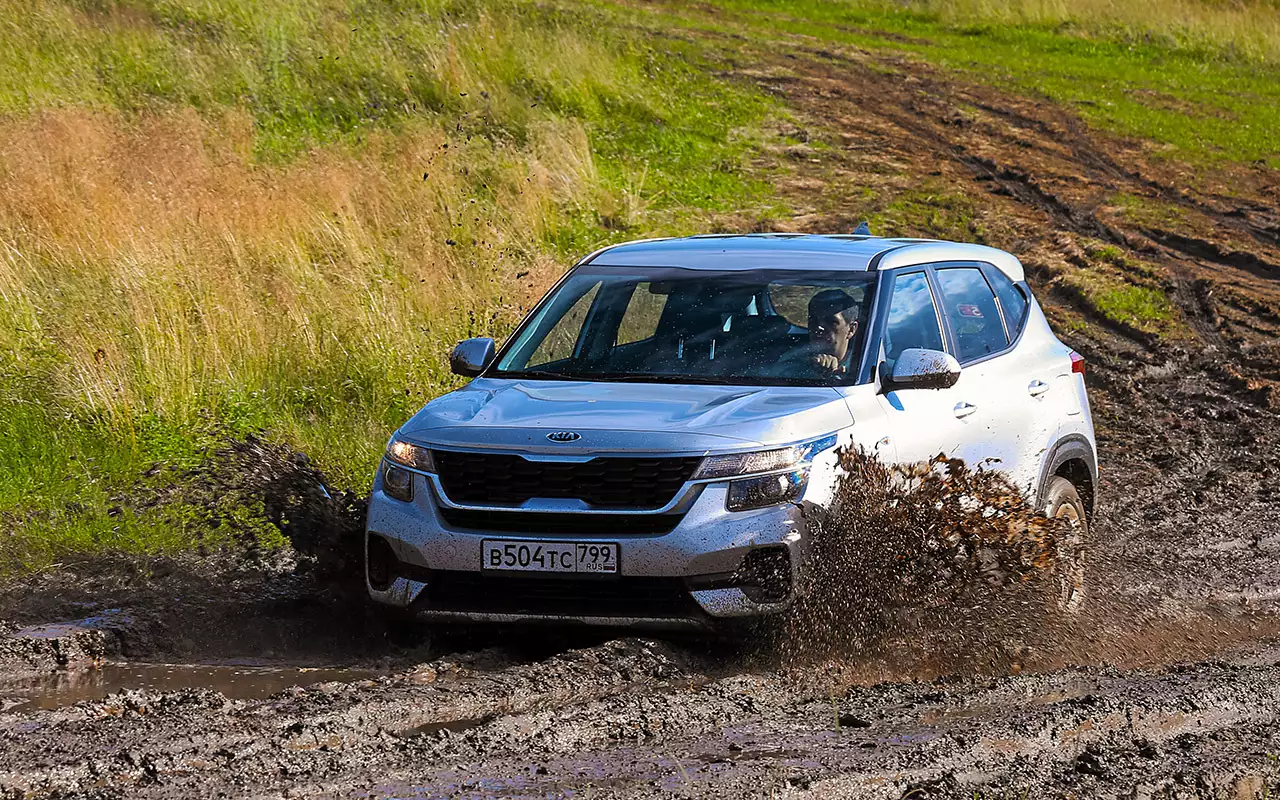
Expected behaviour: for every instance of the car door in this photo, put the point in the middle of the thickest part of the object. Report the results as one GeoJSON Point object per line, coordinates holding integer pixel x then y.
{"type": "Point", "coordinates": [1037, 381]}
{"type": "Point", "coordinates": [919, 423]}
{"type": "Point", "coordinates": [1001, 388]}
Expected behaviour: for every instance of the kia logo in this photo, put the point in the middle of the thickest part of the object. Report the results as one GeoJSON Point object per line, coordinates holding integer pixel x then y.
{"type": "Point", "coordinates": [564, 436]}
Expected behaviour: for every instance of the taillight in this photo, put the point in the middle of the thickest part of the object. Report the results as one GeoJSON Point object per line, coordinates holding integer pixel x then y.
{"type": "Point", "coordinates": [1077, 363]}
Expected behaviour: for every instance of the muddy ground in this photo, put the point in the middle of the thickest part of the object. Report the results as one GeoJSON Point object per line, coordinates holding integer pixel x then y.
{"type": "Point", "coordinates": [1168, 686]}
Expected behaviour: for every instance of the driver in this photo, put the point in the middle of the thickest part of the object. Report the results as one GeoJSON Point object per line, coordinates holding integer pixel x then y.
{"type": "Point", "coordinates": [833, 322]}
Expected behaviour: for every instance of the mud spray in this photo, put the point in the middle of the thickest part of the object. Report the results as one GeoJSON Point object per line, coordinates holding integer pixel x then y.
{"type": "Point", "coordinates": [927, 569]}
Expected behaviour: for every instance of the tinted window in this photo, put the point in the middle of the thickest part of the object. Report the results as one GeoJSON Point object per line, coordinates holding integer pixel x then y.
{"type": "Point", "coordinates": [1012, 302]}
{"type": "Point", "coordinates": [971, 310]}
{"type": "Point", "coordinates": [913, 318]}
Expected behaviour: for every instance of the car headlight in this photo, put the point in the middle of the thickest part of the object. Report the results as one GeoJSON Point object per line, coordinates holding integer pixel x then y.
{"type": "Point", "coordinates": [397, 483]}
{"type": "Point", "coordinates": [785, 473]}
{"type": "Point", "coordinates": [410, 455]}
{"type": "Point", "coordinates": [727, 466]}
{"type": "Point", "coordinates": [766, 490]}
{"type": "Point", "coordinates": [733, 464]}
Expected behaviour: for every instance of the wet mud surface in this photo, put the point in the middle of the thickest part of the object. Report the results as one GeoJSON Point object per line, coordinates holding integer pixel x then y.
{"type": "Point", "coordinates": [1167, 686]}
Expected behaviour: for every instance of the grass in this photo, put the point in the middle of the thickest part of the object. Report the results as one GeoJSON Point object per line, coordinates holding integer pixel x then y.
{"type": "Point", "coordinates": [1195, 78]}
{"type": "Point", "coordinates": [1120, 288]}
{"type": "Point", "coordinates": [1148, 212]}
{"type": "Point", "coordinates": [222, 218]}
{"type": "Point", "coordinates": [1139, 306]}
{"type": "Point", "coordinates": [1128, 297]}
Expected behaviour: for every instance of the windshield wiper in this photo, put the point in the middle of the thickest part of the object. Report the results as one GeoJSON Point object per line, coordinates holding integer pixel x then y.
{"type": "Point", "coordinates": [641, 377]}
{"type": "Point", "coordinates": [618, 377]}
{"type": "Point", "coordinates": [548, 374]}
{"type": "Point", "coordinates": [664, 378]}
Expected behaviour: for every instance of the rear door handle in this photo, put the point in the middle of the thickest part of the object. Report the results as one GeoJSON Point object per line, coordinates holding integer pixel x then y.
{"type": "Point", "coordinates": [1037, 388]}
{"type": "Point", "coordinates": [964, 409]}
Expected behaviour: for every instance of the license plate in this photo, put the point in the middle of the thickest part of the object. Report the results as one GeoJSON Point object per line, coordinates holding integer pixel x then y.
{"type": "Point", "coordinates": [590, 557]}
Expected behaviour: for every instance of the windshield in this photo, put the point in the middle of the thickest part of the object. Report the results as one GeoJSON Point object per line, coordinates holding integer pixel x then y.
{"type": "Point", "coordinates": [770, 327]}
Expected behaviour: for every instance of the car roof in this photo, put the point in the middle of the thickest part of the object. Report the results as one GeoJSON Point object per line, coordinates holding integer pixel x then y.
{"type": "Point", "coordinates": [797, 251]}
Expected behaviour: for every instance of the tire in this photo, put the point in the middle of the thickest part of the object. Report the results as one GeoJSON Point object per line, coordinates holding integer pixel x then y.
{"type": "Point", "coordinates": [398, 626]}
{"type": "Point", "coordinates": [1062, 501]}
{"type": "Point", "coordinates": [761, 635]}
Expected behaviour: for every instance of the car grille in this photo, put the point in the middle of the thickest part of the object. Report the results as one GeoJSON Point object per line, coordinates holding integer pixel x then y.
{"type": "Point", "coordinates": [501, 479]}
{"type": "Point", "coordinates": [559, 524]}
{"type": "Point", "coordinates": [611, 596]}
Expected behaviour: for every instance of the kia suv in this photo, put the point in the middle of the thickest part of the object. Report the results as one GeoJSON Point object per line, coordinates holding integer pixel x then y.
{"type": "Point", "coordinates": [645, 448]}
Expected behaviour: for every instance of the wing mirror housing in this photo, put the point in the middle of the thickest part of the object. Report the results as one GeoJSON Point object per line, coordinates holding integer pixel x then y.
{"type": "Point", "coordinates": [918, 368]}
{"type": "Point", "coordinates": [469, 357]}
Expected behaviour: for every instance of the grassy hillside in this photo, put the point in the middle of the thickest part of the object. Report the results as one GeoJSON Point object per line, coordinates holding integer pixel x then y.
{"type": "Point", "coordinates": [1194, 76]}
{"type": "Point", "coordinates": [218, 218]}
{"type": "Point", "coordinates": [224, 218]}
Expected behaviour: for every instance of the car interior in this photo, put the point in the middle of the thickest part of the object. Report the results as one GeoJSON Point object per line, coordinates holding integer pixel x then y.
{"type": "Point", "coordinates": [697, 329]}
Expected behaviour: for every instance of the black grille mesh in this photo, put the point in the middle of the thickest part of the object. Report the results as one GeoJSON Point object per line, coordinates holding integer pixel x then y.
{"type": "Point", "coordinates": [559, 524]}
{"type": "Point", "coordinates": [500, 479]}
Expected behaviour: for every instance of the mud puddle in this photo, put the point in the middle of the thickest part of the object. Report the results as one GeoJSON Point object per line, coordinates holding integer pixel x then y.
{"type": "Point", "coordinates": [235, 681]}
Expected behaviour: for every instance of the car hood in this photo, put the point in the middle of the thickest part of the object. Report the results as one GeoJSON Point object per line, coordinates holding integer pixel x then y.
{"type": "Point", "coordinates": [625, 417]}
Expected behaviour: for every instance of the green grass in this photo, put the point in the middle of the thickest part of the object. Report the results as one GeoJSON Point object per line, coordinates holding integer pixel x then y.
{"type": "Point", "coordinates": [1205, 94]}
{"type": "Point", "coordinates": [1114, 295]}
{"type": "Point", "coordinates": [218, 218]}
{"type": "Point", "coordinates": [1135, 305]}
{"type": "Point", "coordinates": [1149, 213]}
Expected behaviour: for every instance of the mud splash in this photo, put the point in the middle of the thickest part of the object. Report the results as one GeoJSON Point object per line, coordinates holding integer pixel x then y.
{"type": "Point", "coordinates": [246, 485]}
{"type": "Point", "coordinates": [936, 561]}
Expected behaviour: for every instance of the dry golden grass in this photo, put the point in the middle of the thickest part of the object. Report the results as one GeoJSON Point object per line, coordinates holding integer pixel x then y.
{"type": "Point", "coordinates": [1248, 27]}
{"type": "Point", "coordinates": [171, 272]}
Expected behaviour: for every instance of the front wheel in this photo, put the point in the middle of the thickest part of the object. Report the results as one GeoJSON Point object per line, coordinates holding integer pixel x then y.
{"type": "Point", "coordinates": [1062, 502]}
{"type": "Point", "coordinates": [397, 626]}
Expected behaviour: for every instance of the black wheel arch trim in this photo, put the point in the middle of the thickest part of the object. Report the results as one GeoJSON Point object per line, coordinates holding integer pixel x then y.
{"type": "Point", "coordinates": [1073, 447]}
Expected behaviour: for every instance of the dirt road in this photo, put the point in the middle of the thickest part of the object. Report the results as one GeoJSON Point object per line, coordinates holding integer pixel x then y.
{"type": "Point", "coordinates": [1185, 577]}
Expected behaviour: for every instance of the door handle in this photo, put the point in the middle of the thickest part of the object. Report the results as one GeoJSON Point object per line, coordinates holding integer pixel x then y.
{"type": "Point", "coordinates": [1037, 388]}
{"type": "Point", "coordinates": [964, 409]}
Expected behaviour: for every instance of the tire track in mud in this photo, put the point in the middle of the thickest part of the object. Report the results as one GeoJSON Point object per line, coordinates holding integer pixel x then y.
{"type": "Point", "coordinates": [1087, 730]}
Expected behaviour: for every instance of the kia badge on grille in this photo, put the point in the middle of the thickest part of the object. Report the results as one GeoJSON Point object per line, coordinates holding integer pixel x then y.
{"type": "Point", "coordinates": [564, 436]}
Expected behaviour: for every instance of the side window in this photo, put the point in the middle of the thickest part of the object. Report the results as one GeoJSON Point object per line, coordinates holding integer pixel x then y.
{"type": "Point", "coordinates": [913, 318]}
{"type": "Point", "coordinates": [562, 339]}
{"type": "Point", "coordinates": [640, 319]}
{"type": "Point", "coordinates": [971, 311]}
{"type": "Point", "coordinates": [1012, 302]}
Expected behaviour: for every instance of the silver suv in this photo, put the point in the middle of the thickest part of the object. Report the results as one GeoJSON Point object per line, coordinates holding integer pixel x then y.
{"type": "Point", "coordinates": [642, 450]}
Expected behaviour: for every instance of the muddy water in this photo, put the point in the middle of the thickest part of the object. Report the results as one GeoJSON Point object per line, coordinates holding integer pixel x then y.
{"type": "Point", "coordinates": [238, 682]}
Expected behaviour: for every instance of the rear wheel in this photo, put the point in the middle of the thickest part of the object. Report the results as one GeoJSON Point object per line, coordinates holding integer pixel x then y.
{"type": "Point", "coordinates": [1062, 502]}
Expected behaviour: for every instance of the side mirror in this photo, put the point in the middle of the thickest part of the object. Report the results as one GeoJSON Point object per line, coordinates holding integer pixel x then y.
{"type": "Point", "coordinates": [918, 368]}
{"type": "Point", "coordinates": [470, 356]}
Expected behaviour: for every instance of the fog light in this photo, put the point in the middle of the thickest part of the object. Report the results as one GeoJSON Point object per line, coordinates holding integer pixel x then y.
{"type": "Point", "coordinates": [766, 490]}
{"type": "Point", "coordinates": [398, 483]}
{"type": "Point", "coordinates": [380, 563]}
{"type": "Point", "coordinates": [765, 575]}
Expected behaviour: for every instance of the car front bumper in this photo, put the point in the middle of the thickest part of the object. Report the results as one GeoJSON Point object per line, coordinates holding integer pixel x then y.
{"type": "Point", "coordinates": [679, 579]}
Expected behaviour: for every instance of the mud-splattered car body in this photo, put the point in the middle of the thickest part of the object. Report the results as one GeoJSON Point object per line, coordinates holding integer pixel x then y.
{"type": "Point", "coordinates": [616, 464]}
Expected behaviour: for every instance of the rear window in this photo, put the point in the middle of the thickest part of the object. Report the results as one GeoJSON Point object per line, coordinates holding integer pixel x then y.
{"type": "Point", "coordinates": [1013, 303]}
{"type": "Point", "coordinates": [972, 313]}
